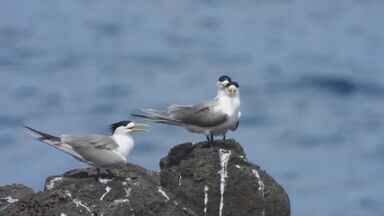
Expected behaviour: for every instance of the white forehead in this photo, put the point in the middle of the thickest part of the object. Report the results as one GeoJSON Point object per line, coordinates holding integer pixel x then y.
{"type": "Point", "coordinates": [232, 87]}
{"type": "Point", "coordinates": [130, 124]}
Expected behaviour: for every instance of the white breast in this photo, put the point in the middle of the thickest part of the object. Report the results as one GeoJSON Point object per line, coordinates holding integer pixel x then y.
{"type": "Point", "coordinates": [125, 143]}
{"type": "Point", "coordinates": [229, 106]}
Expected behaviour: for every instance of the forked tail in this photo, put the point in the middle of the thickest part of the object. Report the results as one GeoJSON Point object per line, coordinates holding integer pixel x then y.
{"type": "Point", "coordinates": [43, 137]}
{"type": "Point", "coordinates": [53, 141]}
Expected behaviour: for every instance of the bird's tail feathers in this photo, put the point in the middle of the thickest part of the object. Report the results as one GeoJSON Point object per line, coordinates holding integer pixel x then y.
{"type": "Point", "coordinates": [44, 137]}
{"type": "Point", "coordinates": [178, 108]}
{"type": "Point", "coordinates": [53, 141]}
{"type": "Point", "coordinates": [157, 116]}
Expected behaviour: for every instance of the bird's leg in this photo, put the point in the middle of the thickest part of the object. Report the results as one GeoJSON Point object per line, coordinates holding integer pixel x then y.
{"type": "Point", "coordinates": [117, 173]}
{"type": "Point", "coordinates": [224, 137]}
{"type": "Point", "coordinates": [109, 172]}
{"type": "Point", "coordinates": [97, 171]}
{"type": "Point", "coordinates": [211, 140]}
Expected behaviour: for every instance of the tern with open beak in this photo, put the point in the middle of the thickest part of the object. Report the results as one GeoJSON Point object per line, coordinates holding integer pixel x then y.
{"type": "Point", "coordinates": [107, 152]}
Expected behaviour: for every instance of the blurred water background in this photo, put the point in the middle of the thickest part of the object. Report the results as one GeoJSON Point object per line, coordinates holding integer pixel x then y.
{"type": "Point", "coordinates": [312, 86]}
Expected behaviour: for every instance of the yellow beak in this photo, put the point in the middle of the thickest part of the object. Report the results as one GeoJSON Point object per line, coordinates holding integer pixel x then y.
{"type": "Point", "coordinates": [137, 125]}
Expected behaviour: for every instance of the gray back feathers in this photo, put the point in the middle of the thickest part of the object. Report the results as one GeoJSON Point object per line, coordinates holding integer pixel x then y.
{"type": "Point", "coordinates": [201, 114]}
{"type": "Point", "coordinates": [94, 141]}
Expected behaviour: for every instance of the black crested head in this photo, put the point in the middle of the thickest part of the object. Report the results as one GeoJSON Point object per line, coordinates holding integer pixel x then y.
{"type": "Point", "coordinates": [114, 126]}
{"type": "Point", "coordinates": [225, 77]}
{"type": "Point", "coordinates": [232, 83]}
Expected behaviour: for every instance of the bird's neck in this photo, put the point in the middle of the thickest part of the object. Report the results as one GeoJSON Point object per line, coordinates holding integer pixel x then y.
{"type": "Point", "coordinates": [233, 100]}
{"type": "Point", "coordinates": [220, 92]}
{"type": "Point", "coordinates": [125, 143]}
{"type": "Point", "coordinates": [230, 104]}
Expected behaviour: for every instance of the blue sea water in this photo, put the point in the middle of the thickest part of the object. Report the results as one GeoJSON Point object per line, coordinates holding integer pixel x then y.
{"type": "Point", "coordinates": [311, 76]}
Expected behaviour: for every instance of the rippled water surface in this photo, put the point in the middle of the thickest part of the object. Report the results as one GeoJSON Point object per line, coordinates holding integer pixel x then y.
{"type": "Point", "coordinates": [311, 76]}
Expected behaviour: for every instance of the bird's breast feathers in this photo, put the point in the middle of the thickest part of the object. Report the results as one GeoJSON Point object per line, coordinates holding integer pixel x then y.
{"type": "Point", "coordinates": [228, 106]}
{"type": "Point", "coordinates": [125, 144]}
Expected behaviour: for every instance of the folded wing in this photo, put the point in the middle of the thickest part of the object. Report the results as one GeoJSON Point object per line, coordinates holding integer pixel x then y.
{"type": "Point", "coordinates": [93, 141]}
{"type": "Point", "coordinates": [202, 114]}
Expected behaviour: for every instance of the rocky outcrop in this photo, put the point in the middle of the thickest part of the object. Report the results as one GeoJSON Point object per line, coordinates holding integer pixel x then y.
{"type": "Point", "coordinates": [194, 180]}
{"type": "Point", "coordinates": [220, 181]}
{"type": "Point", "coordinates": [10, 194]}
{"type": "Point", "coordinates": [81, 192]}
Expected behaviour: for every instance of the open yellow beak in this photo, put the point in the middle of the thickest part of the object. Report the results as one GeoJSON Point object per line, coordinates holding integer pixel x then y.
{"type": "Point", "coordinates": [137, 126]}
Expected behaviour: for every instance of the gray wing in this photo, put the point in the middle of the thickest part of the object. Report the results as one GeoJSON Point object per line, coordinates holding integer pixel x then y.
{"type": "Point", "coordinates": [95, 141]}
{"type": "Point", "coordinates": [201, 114]}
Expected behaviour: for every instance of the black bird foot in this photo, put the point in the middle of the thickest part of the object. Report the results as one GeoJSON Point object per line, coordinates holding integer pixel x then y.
{"type": "Point", "coordinates": [114, 175]}
{"type": "Point", "coordinates": [98, 174]}
{"type": "Point", "coordinates": [210, 140]}
{"type": "Point", "coordinates": [110, 172]}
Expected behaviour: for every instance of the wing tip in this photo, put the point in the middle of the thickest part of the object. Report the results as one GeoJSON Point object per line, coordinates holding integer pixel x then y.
{"type": "Point", "coordinates": [29, 129]}
{"type": "Point", "coordinates": [32, 132]}
{"type": "Point", "coordinates": [26, 127]}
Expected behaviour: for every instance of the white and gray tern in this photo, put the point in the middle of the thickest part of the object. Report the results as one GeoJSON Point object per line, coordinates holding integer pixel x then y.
{"type": "Point", "coordinates": [213, 117]}
{"type": "Point", "coordinates": [105, 152]}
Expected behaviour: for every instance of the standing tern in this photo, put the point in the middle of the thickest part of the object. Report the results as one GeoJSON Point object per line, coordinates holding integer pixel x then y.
{"type": "Point", "coordinates": [221, 83]}
{"type": "Point", "coordinates": [212, 118]}
{"type": "Point", "coordinates": [105, 152]}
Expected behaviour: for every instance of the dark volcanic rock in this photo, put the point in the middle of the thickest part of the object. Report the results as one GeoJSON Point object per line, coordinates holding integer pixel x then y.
{"type": "Point", "coordinates": [220, 181]}
{"type": "Point", "coordinates": [10, 194]}
{"type": "Point", "coordinates": [194, 180]}
{"type": "Point", "coordinates": [79, 192]}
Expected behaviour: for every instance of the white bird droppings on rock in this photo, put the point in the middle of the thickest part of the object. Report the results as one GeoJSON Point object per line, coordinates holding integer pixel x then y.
{"type": "Point", "coordinates": [224, 158]}
{"type": "Point", "coordinates": [120, 201]}
{"type": "Point", "coordinates": [9, 199]}
{"type": "Point", "coordinates": [206, 189]}
{"type": "Point", "coordinates": [261, 184]}
{"type": "Point", "coordinates": [180, 179]}
{"type": "Point", "coordinates": [241, 156]}
{"type": "Point", "coordinates": [107, 190]}
{"type": "Point", "coordinates": [79, 203]}
{"type": "Point", "coordinates": [51, 183]}
{"type": "Point", "coordinates": [163, 193]}
{"type": "Point", "coordinates": [68, 194]}
{"type": "Point", "coordinates": [104, 181]}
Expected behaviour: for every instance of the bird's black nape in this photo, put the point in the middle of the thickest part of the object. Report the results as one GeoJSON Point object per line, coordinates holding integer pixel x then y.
{"type": "Point", "coordinates": [114, 126]}
{"type": "Point", "coordinates": [232, 83]}
{"type": "Point", "coordinates": [225, 77]}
